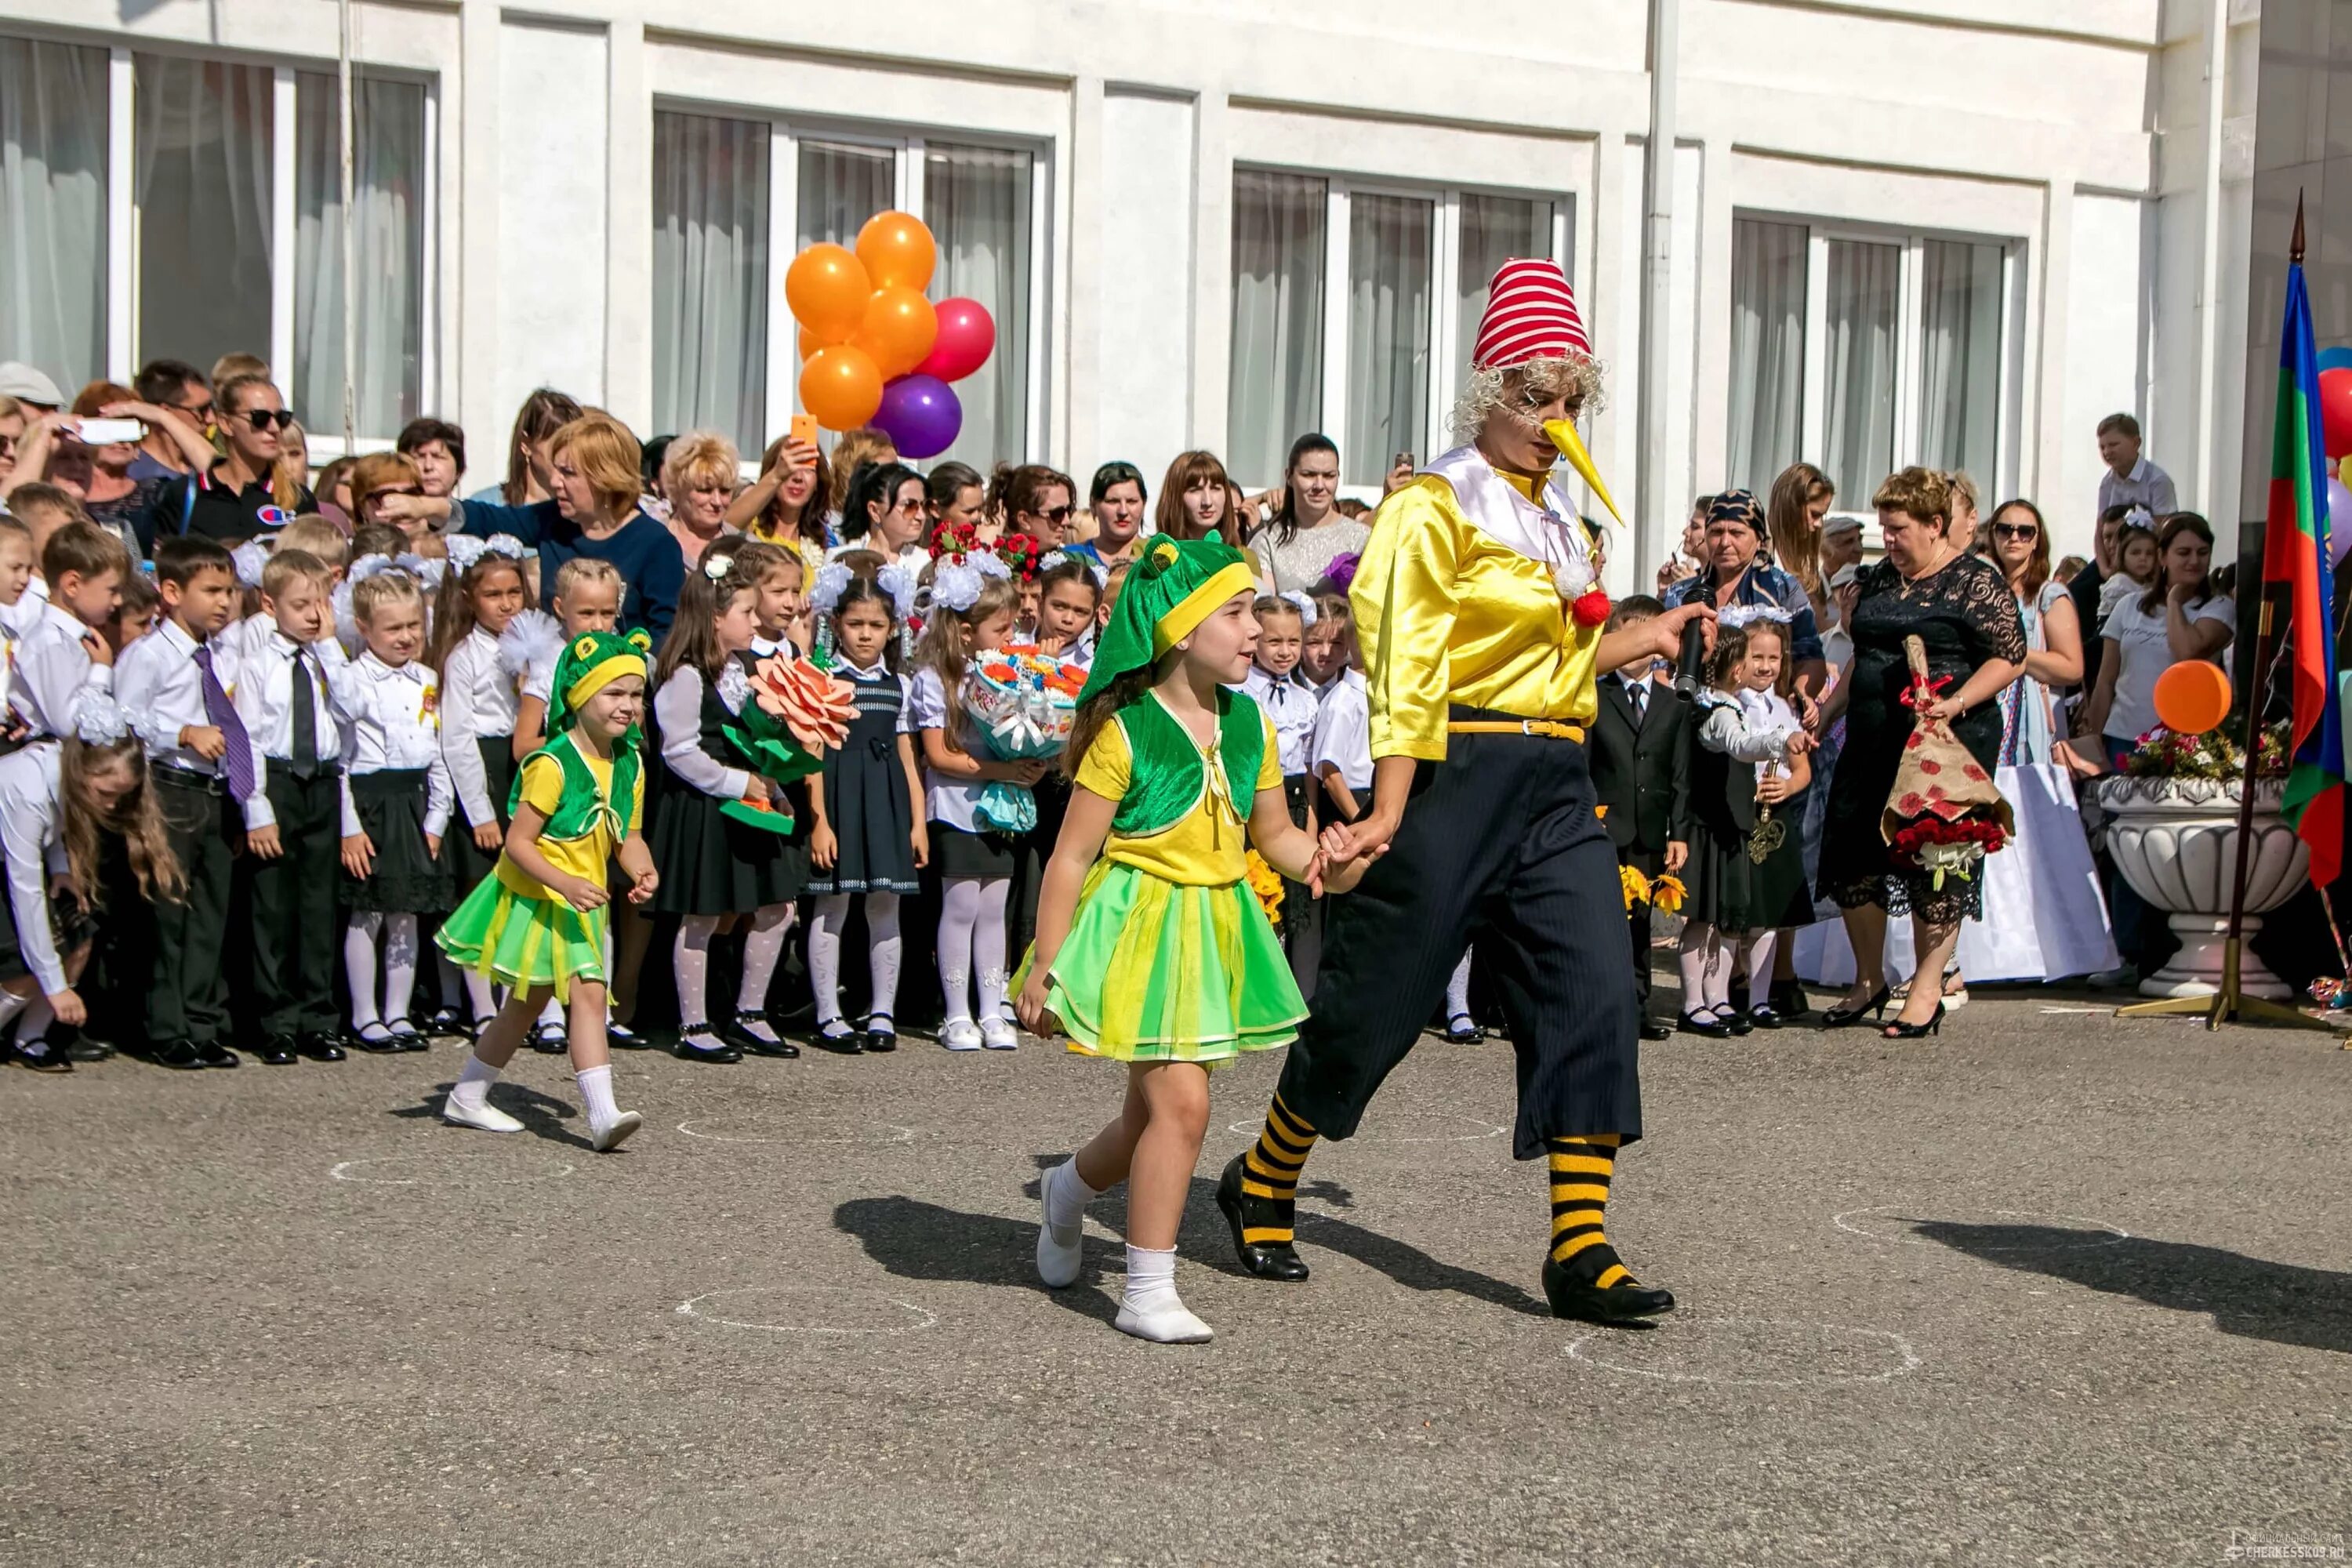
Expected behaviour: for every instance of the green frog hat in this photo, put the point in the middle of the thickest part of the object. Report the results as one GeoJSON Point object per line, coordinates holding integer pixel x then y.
{"type": "Point", "coordinates": [591, 662]}
{"type": "Point", "coordinates": [1173, 587]}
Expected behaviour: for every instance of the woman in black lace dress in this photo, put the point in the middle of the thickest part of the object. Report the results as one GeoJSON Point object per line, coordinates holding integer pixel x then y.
{"type": "Point", "coordinates": [1960, 608]}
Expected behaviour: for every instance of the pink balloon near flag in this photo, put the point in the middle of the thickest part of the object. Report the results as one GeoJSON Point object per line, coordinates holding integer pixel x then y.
{"type": "Point", "coordinates": [968, 336]}
{"type": "Point", "coordinates": [2335, 411]}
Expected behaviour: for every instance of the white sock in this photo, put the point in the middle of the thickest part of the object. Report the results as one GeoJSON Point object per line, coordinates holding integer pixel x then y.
{"type": "Point", "coordinates": [1698, 939]}
{"type": "Point", "coordinates": [1458, 990]}
{"type": "Point", "coordinates": [474, 1081]}
{"type": "Point", "coordinates": [399, 964]}
{"type": "Point", "coordinates": [596, 1089]}
{"type": "Point", "coordinates": [959, 912]}
{"type": "Point", "coordinates": [11, 1004]}
{"type": "Point", "coordinates": [761, 950]}
{"type": "Point", "coordinates": [38, 1016]}
{"type": "Point", "coordinates": [1759, 967]}
{"type": "Point", "coordinates": [988, 944]}
{"type": "Point", "coordinates": [478, 996]}
{"type": "Point", "coordinates": [552, 1014]}
{"type": "Point", "coordinates": [359, 965]}
{"type": "Point", "coordinates": [692, 953]}
{"type": "Point", "coordinates": [1066, 1197]}
{"type": "Point", "coordinates": [1150, 1281]}
{"type": "Point", "coordinates": [1722, 951]}
{"type": "Point", "coordinates": [824, 954]}
{"type": "Point", "coordinates": [882, 951]}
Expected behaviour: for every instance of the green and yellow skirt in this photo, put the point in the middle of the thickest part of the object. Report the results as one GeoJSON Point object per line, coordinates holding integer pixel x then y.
{"type": "Point", "coordinates": [1155, 971]}
{"type": "Point", "coordinates": [518, 940]}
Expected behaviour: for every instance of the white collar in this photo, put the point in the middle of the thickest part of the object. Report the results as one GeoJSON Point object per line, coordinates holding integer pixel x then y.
{"type": "Point", "coordinates": [375, 668]}
{"type": "Point", "coordinates": [172, 633]}
{"type": "Point", "coordinates": [874, 671]}
{"type": "Point", "coordinates": [2139, 474]}
{"type": "Point", "coordinates": [1550, 533]}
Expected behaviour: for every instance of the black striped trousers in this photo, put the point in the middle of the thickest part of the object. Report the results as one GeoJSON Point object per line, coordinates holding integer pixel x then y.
{"type": "Point", "coordinates": [1499, 847]}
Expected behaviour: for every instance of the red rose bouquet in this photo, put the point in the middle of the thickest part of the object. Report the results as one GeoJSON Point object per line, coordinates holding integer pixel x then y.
{"type": "Point", "coordinates": [1944, 814]}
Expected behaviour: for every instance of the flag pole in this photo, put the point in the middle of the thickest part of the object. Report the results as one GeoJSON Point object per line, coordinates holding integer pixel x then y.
{"type": "Point", "coordinates": [2231, 1003]}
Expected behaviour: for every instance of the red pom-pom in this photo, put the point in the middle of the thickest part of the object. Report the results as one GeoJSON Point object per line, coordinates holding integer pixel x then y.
{"type": "Point", "coordinates": [1591, 609]}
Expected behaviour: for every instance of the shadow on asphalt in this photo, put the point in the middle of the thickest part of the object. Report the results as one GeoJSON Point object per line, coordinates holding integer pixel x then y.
{"type": "Point", "coordinates": [2283, 1303]}
{"type": "Point", "coordinates": [543, 1116]}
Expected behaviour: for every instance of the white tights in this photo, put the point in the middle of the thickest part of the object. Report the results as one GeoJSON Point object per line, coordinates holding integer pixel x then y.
{"type": "Point", "coordinates": [398, 933]}
{"type": "Point", "coordinates": [972, 939]}
{"type": "Point", "coordinates": [884, 946]}
{"type": "Point", "coordinates": [764, 946]}
{"type": "Point", "coordinates": [1707, 958]}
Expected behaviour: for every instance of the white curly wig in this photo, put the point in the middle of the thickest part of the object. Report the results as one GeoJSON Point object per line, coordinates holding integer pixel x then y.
{"type": "Point", "coordinates": [1484, 391]}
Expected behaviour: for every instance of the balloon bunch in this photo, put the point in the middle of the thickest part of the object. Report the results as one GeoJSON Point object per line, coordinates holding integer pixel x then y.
{"type": "Point", "coordinates": [873, 349]}
{"type": "Point", "coordinates": [2335, 432]}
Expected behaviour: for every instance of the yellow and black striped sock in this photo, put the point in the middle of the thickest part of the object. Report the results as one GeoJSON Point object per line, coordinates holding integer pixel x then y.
{"type": "Point", "coordinates": [1581, 1169]}
{"type": "Point", "coordinates": [1270, 1170]}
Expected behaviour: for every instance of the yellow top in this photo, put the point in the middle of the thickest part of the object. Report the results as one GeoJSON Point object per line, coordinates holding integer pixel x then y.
{"type": "Point", "coordinates": [1447, 615]}
{"type": "Point", "coordinates": [1209, 845]}
{"type": "Point", "coordinates": [542, 787]}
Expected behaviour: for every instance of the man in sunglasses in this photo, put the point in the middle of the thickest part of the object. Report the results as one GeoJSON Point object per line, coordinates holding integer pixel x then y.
{"type": "Point", "coordinates": [179, 390]}
{"type": "Point", "coordinates": [238, 498]}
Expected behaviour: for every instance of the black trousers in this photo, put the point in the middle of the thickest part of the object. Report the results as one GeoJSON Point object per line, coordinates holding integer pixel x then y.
{"type": "Point", "coordinates": [187, 994]}
{"type": "Point", "coordinates": [1500, 847]}
{"type": "Point", "coordinates": [293, 896]}
{"type": "Point", "coordinates": [1650, 863]}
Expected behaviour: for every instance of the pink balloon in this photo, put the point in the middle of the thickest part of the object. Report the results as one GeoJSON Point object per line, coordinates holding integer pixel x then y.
{"type": "Point", "coordinates": [2335, 411]}
{"type": "Point", "coordinates": [2340, 520]}
{"type": "Point", "coordinates": [967, 337]}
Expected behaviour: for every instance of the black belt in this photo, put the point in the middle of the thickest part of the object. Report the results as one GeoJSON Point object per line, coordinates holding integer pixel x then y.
{"type": "Point", "coordinates": [189, 778]}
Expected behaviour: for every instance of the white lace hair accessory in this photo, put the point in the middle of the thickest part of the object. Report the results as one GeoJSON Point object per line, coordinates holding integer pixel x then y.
{"type": "Point", "coordinates": [900, 585]}
{"type": "Point", "coordinates": [956, 584]}
{"type": "Point", "coordinates": [1051, 559]}
{"type": "Point", "coordinates": [1304, 605]}
{"type": "Point", "coordinates": [99, 720]}
{"type": "Point", "coordinates": [988, 563]}
{"type": "Point", "coordinates": [249, 558]}
{"type": "Point", "coordinates": [832, 581]}
{"type": "Point", "coordinates": [368, 566]}
{"type": "Point", "coordinates": [1742, 614]}
{"type": "Point", "coordinates": [716, 567]}
{"type": "Point", "coordinates": [505, 544]}
{"type": "Point", "coordinates": [424, 568]}
{"type": "Point", "coordinates": [465, 550]}
{"type": "Point", "coordinates": [2139, 517]}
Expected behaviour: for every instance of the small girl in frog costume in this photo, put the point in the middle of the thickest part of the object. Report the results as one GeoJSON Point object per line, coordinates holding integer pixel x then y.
{"type": "Point", "coordinates": [537, 924]}
{"type": "Point", "coordinates": [1152, 949]}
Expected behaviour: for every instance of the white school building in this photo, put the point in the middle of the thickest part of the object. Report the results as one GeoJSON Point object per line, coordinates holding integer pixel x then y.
{"type": "Point", "coordinates": [1950, 231]}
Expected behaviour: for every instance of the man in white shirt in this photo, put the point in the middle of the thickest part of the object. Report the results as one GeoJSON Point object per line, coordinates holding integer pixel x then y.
{"type": "Point", "coordinates": [2131, 479]}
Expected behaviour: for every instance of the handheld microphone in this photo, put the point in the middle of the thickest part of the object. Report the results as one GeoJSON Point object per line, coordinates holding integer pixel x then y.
{"type": "Point", "coordinates": [1690, 663]}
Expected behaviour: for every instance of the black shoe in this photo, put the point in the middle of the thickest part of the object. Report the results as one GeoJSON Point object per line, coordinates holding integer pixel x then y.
{"type": "Point", "coordinates": [1573, 1296]}
{"type": "Point", "coordinates": [1463, 1030]}
{"type": "Point", "coordinates": [450, 1024]}
{"type": "Point", "coordinates": [1266, 1259]}
{"type": "Point", "coordinates": [1899, 1030]}
{"type": "Point", "coordinates": [1790, 1001]}
{"type": "Point", "coordinates": [1653, 1031]}
{"type": "Point", "coordinates": [39, 1056]}
{"type": "Point", "coordinates": [734, 1033]}
{"type": "Point", "coordinates": [179, 1056]}
{"type": "Point", "coordinates": [1839, 1018]}
{"type": "Point", "coordinates": [383, 1043]}
{"type": "Point", "coordinates": [837, 1036]}
{"type": "Point", "coordinates": [320, 1047]}
{"type": "Point", "coordinates": [1765, 1018]}
{"type": "Point", "coordinates": [554, 1039]}
{"type": "Point", "coordinates": [622, 1037]}
{"type": "Point", "coordinates": [408, 1038]}
{"type": "Point", "coordinates": [1713, 1028]}
{"type": "Point", "coordinates": [217, 1054]}
{"type": "Point", "coordinates": [718, 1054]}
{"type": "Point", "coordinates": [1735, 1019]}
{"type": "Point", "coordinates": [881, 1033]}
{"type": "Point", "coordinates": [276, 1051]}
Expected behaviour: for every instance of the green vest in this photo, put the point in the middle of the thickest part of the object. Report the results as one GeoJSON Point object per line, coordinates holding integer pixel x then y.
{"type": "Point", "coordinates": [581, 806]}
{"type": "Point", "coordinates": [1164, 780]}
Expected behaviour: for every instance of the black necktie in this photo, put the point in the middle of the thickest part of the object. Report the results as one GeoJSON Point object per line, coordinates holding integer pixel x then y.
{"type": "Point", "coordinates": [1637, 692]}
{"type": "Point", "coordinates": [305, 748]}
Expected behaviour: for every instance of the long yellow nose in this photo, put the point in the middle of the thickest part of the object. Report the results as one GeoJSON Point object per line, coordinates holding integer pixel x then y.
{"type": "Point", "coordinates": [1571, 446]}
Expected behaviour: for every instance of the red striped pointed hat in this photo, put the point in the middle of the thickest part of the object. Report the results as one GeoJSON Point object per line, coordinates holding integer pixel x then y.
{"type": "Point", "coordinates": [1531, 314]}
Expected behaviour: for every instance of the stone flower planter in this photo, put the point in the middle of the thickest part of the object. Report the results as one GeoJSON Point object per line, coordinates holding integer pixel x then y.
{"type": "Point", "coordinates": [2176, 842]}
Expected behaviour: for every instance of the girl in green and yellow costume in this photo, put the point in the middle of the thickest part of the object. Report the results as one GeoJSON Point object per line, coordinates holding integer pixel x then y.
{"type": "Point", "coordinates": [537, 925]}
{"type": "Point", "coordinates": [1151, 950]}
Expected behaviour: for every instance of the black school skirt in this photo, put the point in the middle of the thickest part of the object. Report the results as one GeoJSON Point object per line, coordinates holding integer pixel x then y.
{"type": "Point", "coordinates": [407, 879]}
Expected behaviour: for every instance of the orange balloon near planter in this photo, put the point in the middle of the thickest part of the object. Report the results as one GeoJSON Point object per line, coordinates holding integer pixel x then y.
{"type": "Point", "coordinates": [827, 290]}
{"type": "Point", "coordinates": [841, 387]}
{"type": "Point", "coordinates": [2192, 697]}
{"type": "Point", "coordinates": [898, 330]}
{"type": "Point", "coordinates": [897, 250]}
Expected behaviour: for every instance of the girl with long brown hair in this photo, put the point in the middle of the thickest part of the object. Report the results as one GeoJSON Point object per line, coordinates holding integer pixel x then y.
{"type": "Point", "coordinates": [1800, 499]}
{"type": "Point", "coordinates": [1196, 500]}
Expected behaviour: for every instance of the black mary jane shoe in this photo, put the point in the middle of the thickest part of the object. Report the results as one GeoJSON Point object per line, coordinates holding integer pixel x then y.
{"type": "Point", "coordinates": [1843, 1017]}
{"type": "Point", "coordinates": [318, 1047]}
{"type": "Point", "coordinates": [1899, 1030]}
{"type": "Point", "coordinates": [837, 1035]}
{"type": "Point", "coordinates": [554, 1039]}
{"type": "Point", "coordinates": [1264, 1259]}
{"type": "Point", "coordinates": [1713, 1028]}
{"type": "Point", "coordinates": [382, 1045]}
{"type": "Point", "coordinates": [1573, 1296]}
{"type": "Point", "coordinates": [737, 1032]}
{"type": "Point", "coordinates": [1463, 1030]}
{"type": "Point", "coordinates": [179, 1056]}
{"type": "Point", "coordinates": [450, 1024]}
{"type": "Point", "coordinates": [1735, 1019]}
{"type": "Point", "coordinates": [40, 1056]}
{"type": "Point", "coordinates": [718, 1054]}
{"type": "Point", "coordinates": [622, 1037]}
{"type": "Point", "coordinates": [1767, 1017]}
{"type": "Point", "coordinates": [409, 1038]}
{"type": "Point", "coordinates": [1651, 1029]}
{"type": "Point", "coordinates": [881, 1033]}
{"type": "Point", "coordinates": [276, 1051]}
{"type": "Point", "coordinates": [1790, 1001]}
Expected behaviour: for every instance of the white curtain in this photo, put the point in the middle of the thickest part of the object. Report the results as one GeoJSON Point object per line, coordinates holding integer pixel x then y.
{"type": "Point", "coordinates": [976, 203]}
{"type": "Point", "coordinates": [1959, 358]}
{"type": "Point", "coordinates": [53, 208]}
{"type": "Point", "coordinates": [840, 187]}
{"type": "Point", "coordinates": [1859, 406]}
{"type": "Point", "coordinates": [201, 178]}
{"type": "Point", "coordinates": [1768, 353]}
{"type": "Point", "coordinates": [388, 234]}
{"type": "Point", "coordinates": [711, 276]}
{"type": "Point", "coordinates": [1388, 278]}
{"type": "Point", "coordinates": [1274, 388]}
{"type": "Point", "coordinates": [1494, 229]}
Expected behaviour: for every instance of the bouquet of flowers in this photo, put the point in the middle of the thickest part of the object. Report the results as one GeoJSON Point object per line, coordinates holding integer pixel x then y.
{"type": "Point", "coordinates": [788, 714]}
{"type": "Point", "coordinates": [1944, 814]}
{"type": "Point", "coordinates": [1024, 702]}
{"type": "Point", "coordinates": [1266, 883]}
{"type": "Point", "coordinates": [2164, 753]}
{"type": "Point", "coordinates": [1665, 894]}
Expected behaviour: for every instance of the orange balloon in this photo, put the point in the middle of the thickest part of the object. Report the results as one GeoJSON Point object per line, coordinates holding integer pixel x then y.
{"type": "Point", "coordinates": [827, 290]}
{"type": "Point", "coordinates": [897, 250]}
{"type": "Point", "coordinates": [841, 386]}
{"type": "Point", "coordinates": [898, 330]}
{"type": "Point", "coordinates": [2192, 697]}
{"type": "Point", "coordinates": [809, 343]}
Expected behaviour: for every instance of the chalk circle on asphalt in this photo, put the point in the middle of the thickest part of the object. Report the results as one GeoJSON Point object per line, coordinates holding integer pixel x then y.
{"type": "Point", "coordinates": [1409, 1125]}
{"type": "Point", "coordinates": [505, 1166]}
{"type": "Point", "coordinates": [1898, 1222]}
{"type": "Point", "coordinates": [1749, 1352]}
{"type": "Point", "coordinates": [806, 1309]}
{"type": "Point", "coordinates": [757, 1128]}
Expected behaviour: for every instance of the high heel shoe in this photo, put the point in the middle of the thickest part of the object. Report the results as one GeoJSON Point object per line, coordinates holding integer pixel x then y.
{"type": "Point", "coordinates": [1839, 1018]}
{"type": "Point", "coordinates": [1899, 1030]}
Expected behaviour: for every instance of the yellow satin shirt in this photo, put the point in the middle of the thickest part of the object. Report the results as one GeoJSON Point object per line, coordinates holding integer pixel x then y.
{"type": "Point", "coordinates": [1448, 615]}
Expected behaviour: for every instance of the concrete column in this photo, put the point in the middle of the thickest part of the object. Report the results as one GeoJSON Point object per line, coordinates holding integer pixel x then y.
{"type": "Point", "coordinates": [1212, 270]}
{"type": "Point", "coordinates": [472, 207]}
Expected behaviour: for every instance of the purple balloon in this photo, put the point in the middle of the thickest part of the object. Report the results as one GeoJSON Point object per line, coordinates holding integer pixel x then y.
{"type": "Point", "coordinates": [920, 414]}
{"type": "Point", "coordinates": [2340, 520]}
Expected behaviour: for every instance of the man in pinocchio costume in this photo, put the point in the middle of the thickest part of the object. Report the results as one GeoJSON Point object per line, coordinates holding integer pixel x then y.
{"type": "Point", "coordinates": [1480, 613]}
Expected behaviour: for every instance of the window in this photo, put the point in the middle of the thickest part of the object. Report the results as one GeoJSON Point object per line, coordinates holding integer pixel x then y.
{"type": "Point", "coordinates": [1871, 350]}
{"type": "Point", "coordinates": [203, 142]}
{"type": "Point", "coordinates": [1412, 271]}
{"type": "Point", "coordinates": [387, 235]}
{"type": "Point", "coordinates": [726, 353]}
{"type": "Point", "coordinates": [53, 196]}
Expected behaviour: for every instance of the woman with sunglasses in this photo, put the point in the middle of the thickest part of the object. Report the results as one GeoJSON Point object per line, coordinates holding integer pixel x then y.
{"type": "Point", "coordinates": [1034, 499]}
{"type": "Point", "coordinates": [885, 513]}
{"type": "Point", "coordinates": [237, 500]}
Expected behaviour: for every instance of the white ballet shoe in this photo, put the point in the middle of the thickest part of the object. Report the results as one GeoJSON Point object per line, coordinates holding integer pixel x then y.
{"type": "Point", "coordinates": [959, 1035]}
{"type": "Point", "coordinates": [607, 1139]}
{"type": "Point", "coordinates": [1058, 1259]}
{"type": "Point", "coordinates": [486, 1116]}
{"type": "Point", "coordinates": [997, 1035]}
{"type": "Point", "coordinates": [1171, 1325]}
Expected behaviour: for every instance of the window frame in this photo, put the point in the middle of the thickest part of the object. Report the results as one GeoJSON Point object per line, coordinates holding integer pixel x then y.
{"type": "Point", "coordinates": [1448, 353]}
{"type": "Point", "coordinates": [906, 144]}
{"type": "Point", "coordinates": [1910, 241]}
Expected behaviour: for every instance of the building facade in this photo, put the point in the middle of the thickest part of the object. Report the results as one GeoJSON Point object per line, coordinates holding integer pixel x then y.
{"type": "Point", "coordinates": [1951, 231]}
